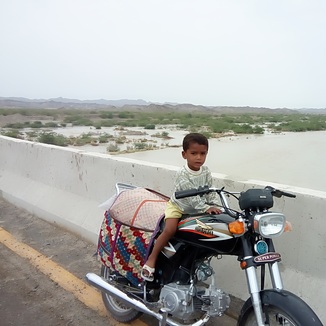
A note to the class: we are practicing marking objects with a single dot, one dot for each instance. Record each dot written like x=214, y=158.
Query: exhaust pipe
x=109, y=289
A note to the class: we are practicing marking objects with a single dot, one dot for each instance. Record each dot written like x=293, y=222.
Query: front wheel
x=280, y=308
x=119, y=310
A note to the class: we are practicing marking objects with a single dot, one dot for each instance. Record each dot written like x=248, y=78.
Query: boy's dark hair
x=194, y=138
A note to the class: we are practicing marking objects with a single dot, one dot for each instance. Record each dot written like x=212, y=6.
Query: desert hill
x=139, y=105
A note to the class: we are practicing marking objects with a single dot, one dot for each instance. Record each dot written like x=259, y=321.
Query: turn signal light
x=288, y=227
x=237, y=227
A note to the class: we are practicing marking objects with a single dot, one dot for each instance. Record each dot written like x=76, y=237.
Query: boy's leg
x=168, y=232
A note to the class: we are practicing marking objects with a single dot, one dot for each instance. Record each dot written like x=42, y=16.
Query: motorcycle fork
x=252, y=281
x=255, y=291
x=275, y=274
x=274, y=270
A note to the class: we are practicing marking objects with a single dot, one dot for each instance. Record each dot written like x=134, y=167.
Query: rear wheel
x=280, y=308
x=118, y=309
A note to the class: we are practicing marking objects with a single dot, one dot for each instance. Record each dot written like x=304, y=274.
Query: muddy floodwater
x=295, y=159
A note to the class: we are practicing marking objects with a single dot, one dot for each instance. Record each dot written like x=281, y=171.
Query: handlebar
x=223, y=195
x=206, y=190
x=279, y=193
x=193, y=192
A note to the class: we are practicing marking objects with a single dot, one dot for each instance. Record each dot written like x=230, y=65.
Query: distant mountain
x=141, y=105
x=313, y=111
x=117, y=103
x=60, y=102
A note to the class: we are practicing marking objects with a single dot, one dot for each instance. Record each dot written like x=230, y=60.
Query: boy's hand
x=213, y=210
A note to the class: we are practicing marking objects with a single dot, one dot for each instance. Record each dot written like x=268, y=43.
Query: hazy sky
x=240, y=53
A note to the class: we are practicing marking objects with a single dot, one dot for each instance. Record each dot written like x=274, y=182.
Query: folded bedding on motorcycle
x=139, y=208
x=128, y=230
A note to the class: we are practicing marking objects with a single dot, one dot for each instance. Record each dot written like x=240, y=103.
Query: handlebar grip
x=287, y=194
x=279, y=193
x=191, y=192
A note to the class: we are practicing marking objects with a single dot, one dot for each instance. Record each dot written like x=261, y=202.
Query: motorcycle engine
x=185, y=301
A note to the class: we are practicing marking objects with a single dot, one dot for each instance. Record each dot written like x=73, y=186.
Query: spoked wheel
x=118, y=309
x=273, y=317
x=279, y=308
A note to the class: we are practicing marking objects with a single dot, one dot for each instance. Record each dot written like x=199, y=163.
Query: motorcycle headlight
x=269, y=225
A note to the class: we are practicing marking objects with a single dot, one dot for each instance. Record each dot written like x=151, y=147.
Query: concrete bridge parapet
x=66, y=186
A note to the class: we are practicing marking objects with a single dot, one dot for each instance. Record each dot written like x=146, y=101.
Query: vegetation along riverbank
x=115, y=128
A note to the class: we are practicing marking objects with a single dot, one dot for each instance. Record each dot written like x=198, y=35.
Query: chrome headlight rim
x=269, y=225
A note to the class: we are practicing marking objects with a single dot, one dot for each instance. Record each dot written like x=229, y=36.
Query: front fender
x=286, y=301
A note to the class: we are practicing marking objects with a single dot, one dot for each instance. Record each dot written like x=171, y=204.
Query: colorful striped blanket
x=128, y=231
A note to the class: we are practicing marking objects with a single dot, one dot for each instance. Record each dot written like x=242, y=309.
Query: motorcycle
x=184, y=291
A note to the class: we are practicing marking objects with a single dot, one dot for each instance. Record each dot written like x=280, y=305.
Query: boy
x=192, y=175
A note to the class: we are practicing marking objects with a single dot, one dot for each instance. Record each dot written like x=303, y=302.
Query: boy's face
x=195, y=156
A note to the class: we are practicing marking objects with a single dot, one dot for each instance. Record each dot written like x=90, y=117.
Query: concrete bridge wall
x=66, y=186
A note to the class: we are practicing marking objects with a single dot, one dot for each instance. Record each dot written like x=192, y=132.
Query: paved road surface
x=42, y=276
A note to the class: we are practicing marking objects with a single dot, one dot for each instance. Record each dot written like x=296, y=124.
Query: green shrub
x=143, y=146
x=121, y=140
x=258, y=130
x=14, y=133
x=149, y=126
x=243, y=129
x=104, y=138
x=17, y=125
x=113, y=148
x=51, y=125
x=106, y=115
x=53, y=139
x=82, y=122
x=36, y=124
x=126, y=115
x=163, y=134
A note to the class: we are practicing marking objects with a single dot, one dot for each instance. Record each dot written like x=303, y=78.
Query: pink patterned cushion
x=139, y=208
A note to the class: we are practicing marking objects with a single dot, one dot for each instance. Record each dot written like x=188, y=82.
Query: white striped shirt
x=188, y=179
